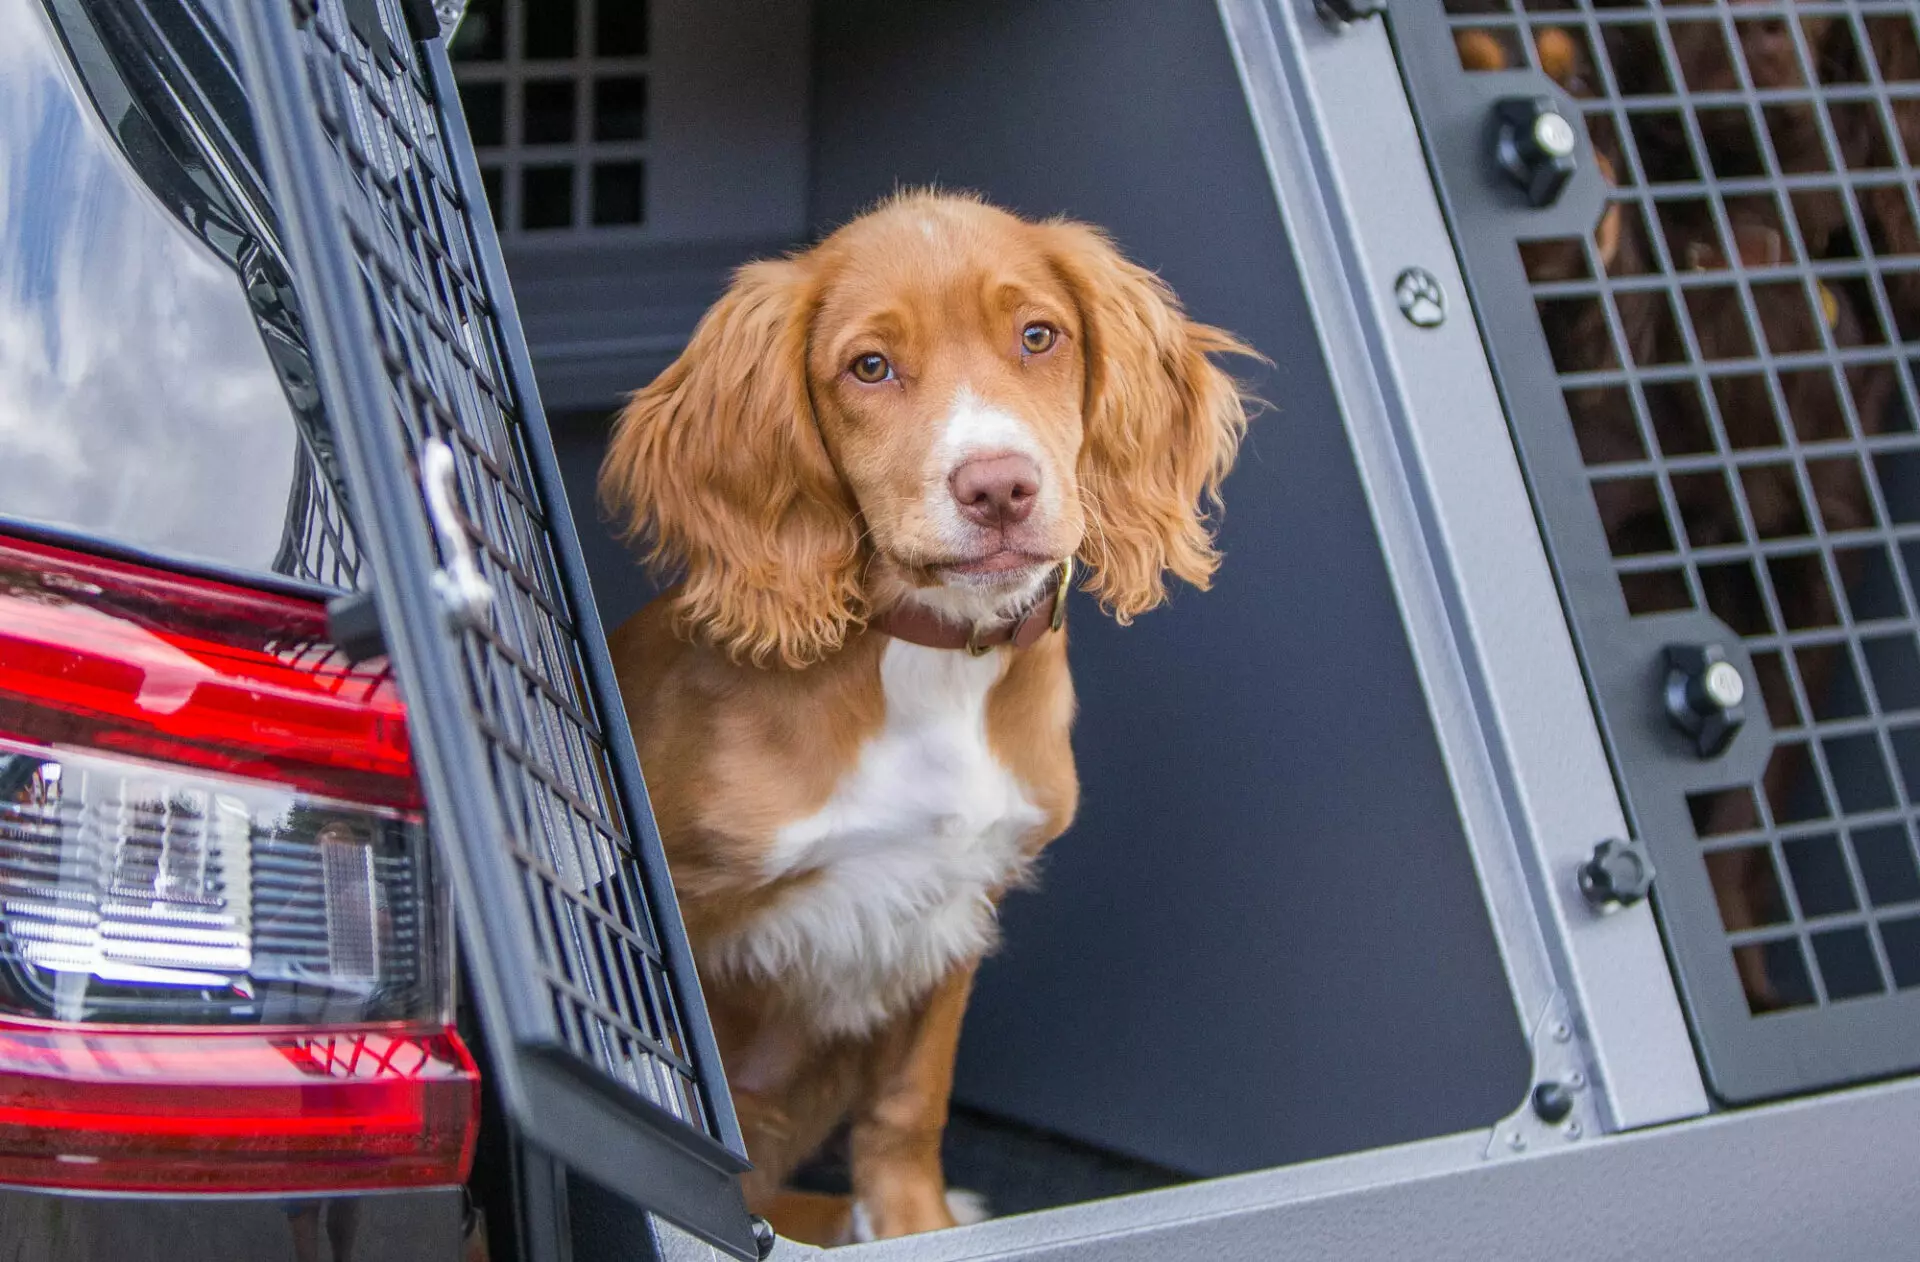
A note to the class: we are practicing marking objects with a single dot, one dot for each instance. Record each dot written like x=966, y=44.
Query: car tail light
x=225, y=963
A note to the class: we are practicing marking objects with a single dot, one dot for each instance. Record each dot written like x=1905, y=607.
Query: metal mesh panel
x=317, y=542
x=602, y=968
x=1732, y=348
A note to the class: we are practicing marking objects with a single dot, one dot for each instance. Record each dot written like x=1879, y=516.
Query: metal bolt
x=1573, y=1130
x=1562, y=1032
x=1534, y=144
x=1345, y=12
x=1552, y=1102
x=1576, y=1080
x=1553, y=134
x=1704, y=695
x=1421, y=299
x=764, y=1237
x=1723, y=685
x=1517, y=1142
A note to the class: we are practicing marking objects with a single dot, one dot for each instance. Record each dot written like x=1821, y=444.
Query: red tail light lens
x=170, y=1110
x=120, y=658
x=224, y=961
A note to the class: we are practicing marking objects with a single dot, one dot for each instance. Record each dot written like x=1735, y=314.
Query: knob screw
x=1345, y=12
x=1618, y=875
x=764, y=1237
x=1552, y=1102
x=1535, y=145
x=1705, y=695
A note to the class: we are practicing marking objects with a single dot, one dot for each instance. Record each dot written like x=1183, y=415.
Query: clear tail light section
x=131, y=892
x=225, y=963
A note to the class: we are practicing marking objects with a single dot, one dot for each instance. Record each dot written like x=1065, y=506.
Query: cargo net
x=603, y=971
x=1735, y=344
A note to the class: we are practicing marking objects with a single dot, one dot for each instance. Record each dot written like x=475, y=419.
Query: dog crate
x=1551, y=576
x=1190, y=832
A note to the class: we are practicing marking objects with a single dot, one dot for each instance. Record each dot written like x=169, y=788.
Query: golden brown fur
x=796, y=501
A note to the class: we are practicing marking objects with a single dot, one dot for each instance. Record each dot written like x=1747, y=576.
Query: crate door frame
x=602, y=1052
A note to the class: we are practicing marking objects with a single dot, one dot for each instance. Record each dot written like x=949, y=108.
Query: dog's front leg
x=901, y=1112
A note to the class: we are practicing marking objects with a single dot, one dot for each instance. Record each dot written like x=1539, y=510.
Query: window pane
x=620, y=30
x=546, y=197
x=491, y=182
x=485, y=108
x=550, y=32
x=618, y=192
x=620, y=109
x=548, y=116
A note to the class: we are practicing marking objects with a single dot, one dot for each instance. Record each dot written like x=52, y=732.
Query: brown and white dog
x=871, y=470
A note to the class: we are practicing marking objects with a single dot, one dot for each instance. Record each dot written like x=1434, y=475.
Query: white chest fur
x=904, y=854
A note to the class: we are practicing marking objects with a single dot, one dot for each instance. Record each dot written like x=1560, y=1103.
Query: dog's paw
x=967, y=1207
x=860, y=1226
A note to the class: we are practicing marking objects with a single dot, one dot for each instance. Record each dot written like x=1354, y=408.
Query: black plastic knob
x=1552, y=1102
x=1618, y=875
x=1705, y=696
x=764, y=1238
x=353, y=624
x=1535, y=146
x=1346, y=12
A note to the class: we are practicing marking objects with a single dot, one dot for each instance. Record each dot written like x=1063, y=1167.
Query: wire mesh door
x=1705, y=343
x=601, y=1049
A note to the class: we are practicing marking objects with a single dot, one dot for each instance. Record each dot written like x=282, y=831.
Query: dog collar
x=916, y=624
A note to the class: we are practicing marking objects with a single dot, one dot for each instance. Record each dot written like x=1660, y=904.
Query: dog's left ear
x=1163, y=424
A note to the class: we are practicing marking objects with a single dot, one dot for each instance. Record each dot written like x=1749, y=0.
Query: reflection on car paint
x=136, y=396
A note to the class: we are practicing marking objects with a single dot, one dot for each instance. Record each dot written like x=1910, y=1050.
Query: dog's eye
x=1037, y=338
x=871, y=369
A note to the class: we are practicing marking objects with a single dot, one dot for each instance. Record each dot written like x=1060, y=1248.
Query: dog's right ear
x=718, y=467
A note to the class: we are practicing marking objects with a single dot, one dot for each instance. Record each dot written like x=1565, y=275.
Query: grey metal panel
x=1330, y=102
x=1263, y=941
x=729, y=120
x=604, y=319
x=1830, y=1177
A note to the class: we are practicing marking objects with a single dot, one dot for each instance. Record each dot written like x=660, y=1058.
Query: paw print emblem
x=1420, y=298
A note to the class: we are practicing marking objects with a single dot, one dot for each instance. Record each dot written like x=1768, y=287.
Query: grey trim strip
x=1829, y=1177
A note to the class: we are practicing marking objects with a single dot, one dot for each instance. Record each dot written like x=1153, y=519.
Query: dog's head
x=940, y=402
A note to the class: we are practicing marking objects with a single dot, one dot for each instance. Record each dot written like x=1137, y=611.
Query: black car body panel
x=399, y=1227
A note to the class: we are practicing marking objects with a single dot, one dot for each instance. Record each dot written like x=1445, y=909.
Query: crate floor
x=1016, y=1168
